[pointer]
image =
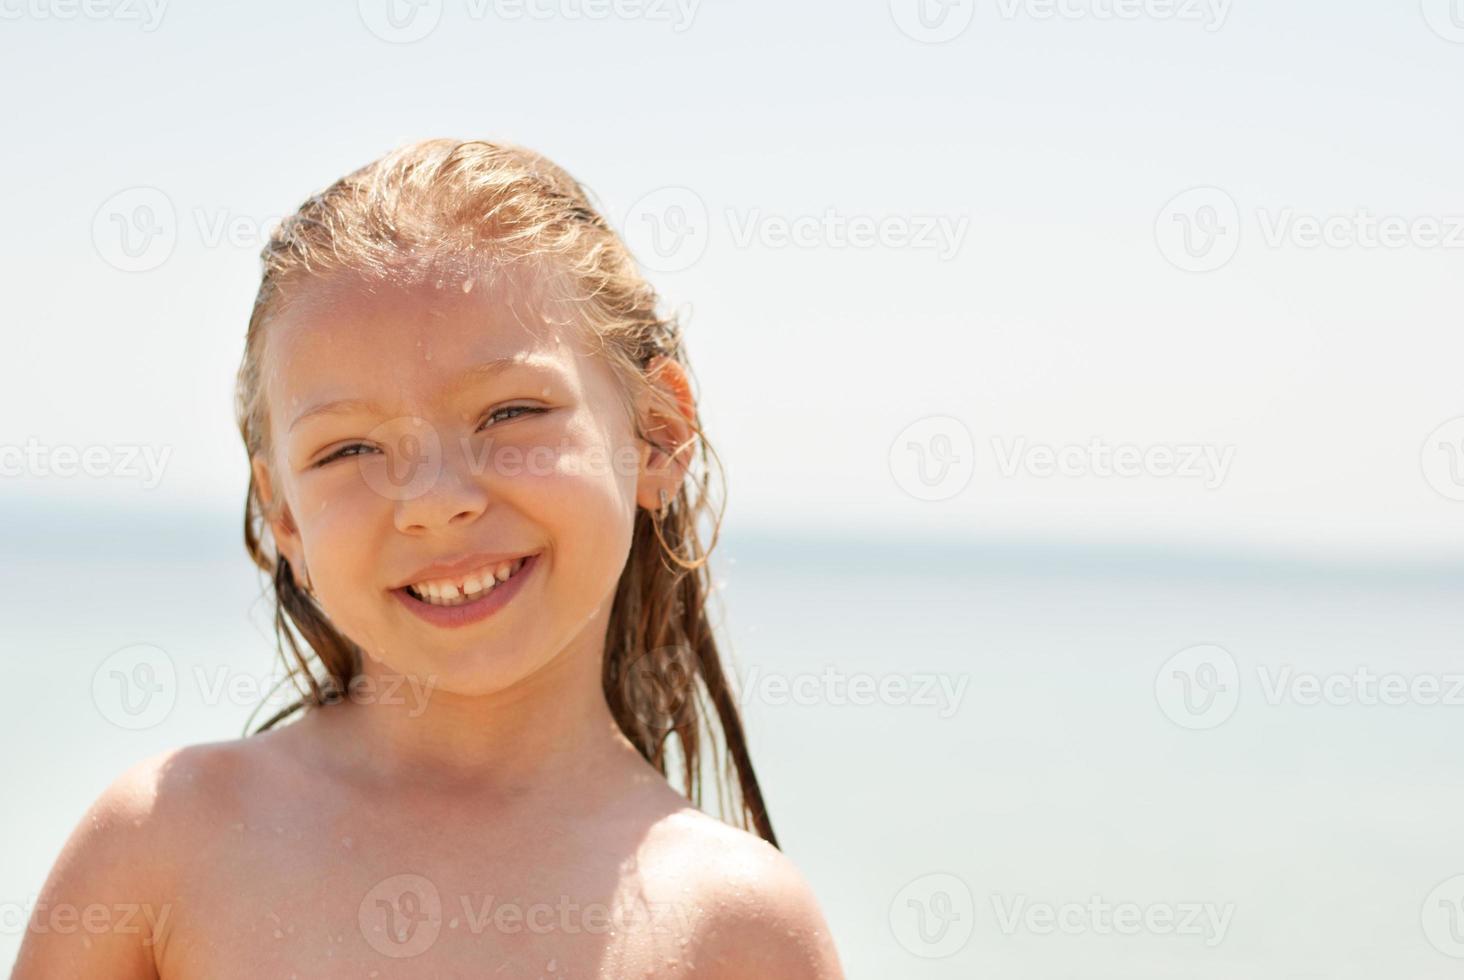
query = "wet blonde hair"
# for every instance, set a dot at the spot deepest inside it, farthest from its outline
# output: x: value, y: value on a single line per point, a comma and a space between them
x: 477, y: 205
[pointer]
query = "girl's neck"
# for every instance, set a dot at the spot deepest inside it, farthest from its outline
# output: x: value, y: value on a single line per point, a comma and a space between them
x: 551, y: 734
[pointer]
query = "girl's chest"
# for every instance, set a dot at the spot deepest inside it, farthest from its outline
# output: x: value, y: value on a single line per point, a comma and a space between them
x: 325, y: 898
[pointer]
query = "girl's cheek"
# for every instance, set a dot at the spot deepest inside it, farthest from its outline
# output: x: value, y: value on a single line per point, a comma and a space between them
x: 335, y: 520
x: 578, y: 472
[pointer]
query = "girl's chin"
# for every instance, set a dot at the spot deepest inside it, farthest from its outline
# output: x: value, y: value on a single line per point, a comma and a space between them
x: 466, y: 673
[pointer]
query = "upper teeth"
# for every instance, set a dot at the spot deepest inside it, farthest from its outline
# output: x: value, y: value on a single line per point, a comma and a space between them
x: 468, y: 585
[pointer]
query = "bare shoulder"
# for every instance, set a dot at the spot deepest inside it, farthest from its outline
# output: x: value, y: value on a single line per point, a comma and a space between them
x: 105, y: 906
x: 151, y: 816
x: 756, y: 915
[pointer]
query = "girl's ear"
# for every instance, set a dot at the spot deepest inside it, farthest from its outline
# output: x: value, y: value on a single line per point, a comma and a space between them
x: 667, y: 411
x: 277, y: 513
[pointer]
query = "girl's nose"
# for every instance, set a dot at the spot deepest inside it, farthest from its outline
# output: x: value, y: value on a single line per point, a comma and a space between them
x: 452, y: 494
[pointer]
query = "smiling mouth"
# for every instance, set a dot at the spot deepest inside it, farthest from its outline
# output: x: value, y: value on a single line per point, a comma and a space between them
x: 467, y: 589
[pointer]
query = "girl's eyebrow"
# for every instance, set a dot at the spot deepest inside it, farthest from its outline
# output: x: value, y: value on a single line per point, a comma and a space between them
x: 471, y: 376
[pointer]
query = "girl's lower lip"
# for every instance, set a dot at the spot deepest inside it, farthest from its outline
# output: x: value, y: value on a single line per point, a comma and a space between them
x: 470, y: 612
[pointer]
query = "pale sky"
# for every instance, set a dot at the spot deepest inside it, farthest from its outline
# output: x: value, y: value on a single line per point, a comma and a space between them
x: 1021, y: 276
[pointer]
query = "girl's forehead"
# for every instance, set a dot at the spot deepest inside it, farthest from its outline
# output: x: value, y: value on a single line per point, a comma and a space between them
x: 464, y: 309
x: 397, y: 331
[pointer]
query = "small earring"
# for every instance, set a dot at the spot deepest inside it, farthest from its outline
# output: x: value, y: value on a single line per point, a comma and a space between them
x: 664, y: 505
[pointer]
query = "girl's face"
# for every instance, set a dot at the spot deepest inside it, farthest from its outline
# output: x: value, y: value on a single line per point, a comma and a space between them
x: 417, y: 425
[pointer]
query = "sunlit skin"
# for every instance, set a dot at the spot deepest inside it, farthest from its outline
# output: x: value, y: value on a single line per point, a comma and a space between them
x: 497, y: 778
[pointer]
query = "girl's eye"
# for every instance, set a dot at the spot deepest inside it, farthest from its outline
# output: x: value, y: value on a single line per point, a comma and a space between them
x: 513, y: 408
x: 345, y: 451
x: 342, y: 452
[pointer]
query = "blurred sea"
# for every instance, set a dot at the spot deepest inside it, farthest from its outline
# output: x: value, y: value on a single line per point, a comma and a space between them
x: 991, y: 759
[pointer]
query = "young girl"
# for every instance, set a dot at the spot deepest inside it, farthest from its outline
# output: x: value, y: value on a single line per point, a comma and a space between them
x: 473, y: 443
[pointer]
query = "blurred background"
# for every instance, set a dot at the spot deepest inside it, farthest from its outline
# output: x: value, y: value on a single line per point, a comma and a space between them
x: 1086, y: 373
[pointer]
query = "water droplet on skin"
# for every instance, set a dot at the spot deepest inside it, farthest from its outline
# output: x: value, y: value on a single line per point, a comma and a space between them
x: 467, y: 285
